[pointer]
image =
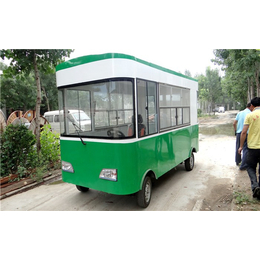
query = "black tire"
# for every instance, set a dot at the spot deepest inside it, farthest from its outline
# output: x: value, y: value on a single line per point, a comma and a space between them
x: 189, y: 163
x: 144, y: 195
x: 82, y: 189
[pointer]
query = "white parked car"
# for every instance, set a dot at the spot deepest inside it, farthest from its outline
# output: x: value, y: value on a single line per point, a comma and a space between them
x: 78, y: 117
x: 221, y: 109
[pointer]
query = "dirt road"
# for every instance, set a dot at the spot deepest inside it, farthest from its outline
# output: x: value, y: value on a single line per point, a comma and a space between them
x: 209, y: 186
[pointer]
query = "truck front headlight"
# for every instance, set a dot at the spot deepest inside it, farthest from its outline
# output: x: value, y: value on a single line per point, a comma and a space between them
x: 67, y: 167
x: 108, y: 174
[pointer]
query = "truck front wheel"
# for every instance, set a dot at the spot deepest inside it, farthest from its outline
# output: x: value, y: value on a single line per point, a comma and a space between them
x: 82, y: 189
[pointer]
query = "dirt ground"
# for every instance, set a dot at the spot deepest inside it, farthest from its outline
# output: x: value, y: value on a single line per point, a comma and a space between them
x: 225, y: 194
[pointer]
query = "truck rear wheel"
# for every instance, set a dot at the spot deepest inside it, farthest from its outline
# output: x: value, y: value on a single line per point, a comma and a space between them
x: 145, y: 194
x: 189, y: 163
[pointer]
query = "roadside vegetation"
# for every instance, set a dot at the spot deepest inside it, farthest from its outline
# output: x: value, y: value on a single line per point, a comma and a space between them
x: 34, y: 63
x: 239, y: 84
x: 245, y: 202
x: 19, y: 157
x: 29, y: 83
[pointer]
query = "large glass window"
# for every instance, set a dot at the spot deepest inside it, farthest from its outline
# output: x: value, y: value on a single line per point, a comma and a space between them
x: 174, y: 103
x: 102, y: 109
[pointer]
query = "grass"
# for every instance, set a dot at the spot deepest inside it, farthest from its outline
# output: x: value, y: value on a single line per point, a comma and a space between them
x: 57, y: 182
x: 244, y: 202
x: 208, y: 116
x: 242, y: 198
x: 224, y: 129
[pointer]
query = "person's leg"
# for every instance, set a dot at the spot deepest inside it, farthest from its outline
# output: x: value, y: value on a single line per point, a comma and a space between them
x: 258, y: 160
x: 251, y: 168
x: 243, y: 165
x: 237, y: 155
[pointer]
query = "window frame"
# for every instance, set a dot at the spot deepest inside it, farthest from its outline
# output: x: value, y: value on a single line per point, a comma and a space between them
x: 179, y: 108
x: 146, y: 119
x: 70, y: 87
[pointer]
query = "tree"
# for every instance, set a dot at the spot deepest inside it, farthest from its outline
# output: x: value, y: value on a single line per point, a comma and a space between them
x: 234, y: 86
x: 18, y: 93
x: 187, y: 73
x: 50, y: 92
x: 242, y: 68
x: 210, y: 87
x: 28, y: 60
x: 3, y: 66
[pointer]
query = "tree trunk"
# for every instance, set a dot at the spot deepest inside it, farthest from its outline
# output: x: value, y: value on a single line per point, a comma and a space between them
x: 38, y: 104
x: 213, y: 107
x: 248, y: 90
x: 252, y: 90
x: 47, y: 100
x: 257, y: 72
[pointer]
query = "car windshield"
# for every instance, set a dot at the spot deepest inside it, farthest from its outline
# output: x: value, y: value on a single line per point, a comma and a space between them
x: 106, y: 109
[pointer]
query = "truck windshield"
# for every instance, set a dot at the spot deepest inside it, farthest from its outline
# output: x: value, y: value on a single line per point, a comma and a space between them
x: 104, y: 109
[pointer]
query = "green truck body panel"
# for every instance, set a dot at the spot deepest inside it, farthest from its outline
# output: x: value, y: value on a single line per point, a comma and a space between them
x: 159, y: 154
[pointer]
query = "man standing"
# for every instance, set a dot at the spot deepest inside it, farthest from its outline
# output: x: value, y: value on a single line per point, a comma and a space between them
x: 252, y: 125
x: 238, y: 126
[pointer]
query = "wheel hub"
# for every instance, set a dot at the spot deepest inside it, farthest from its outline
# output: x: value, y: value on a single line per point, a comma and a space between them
x: 147, y: 192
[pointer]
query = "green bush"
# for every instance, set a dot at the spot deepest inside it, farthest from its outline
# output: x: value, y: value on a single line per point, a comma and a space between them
x: 19, y: 154
x: 17, y: 150
x: 50, y: 145
x: 199, y: 111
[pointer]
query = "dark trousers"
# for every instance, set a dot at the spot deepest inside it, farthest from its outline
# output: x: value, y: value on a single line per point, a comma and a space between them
x: 253, y: 158
x: 238, y: 157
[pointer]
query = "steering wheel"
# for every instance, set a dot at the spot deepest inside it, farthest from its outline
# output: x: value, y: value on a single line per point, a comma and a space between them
x: 115, y: 133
